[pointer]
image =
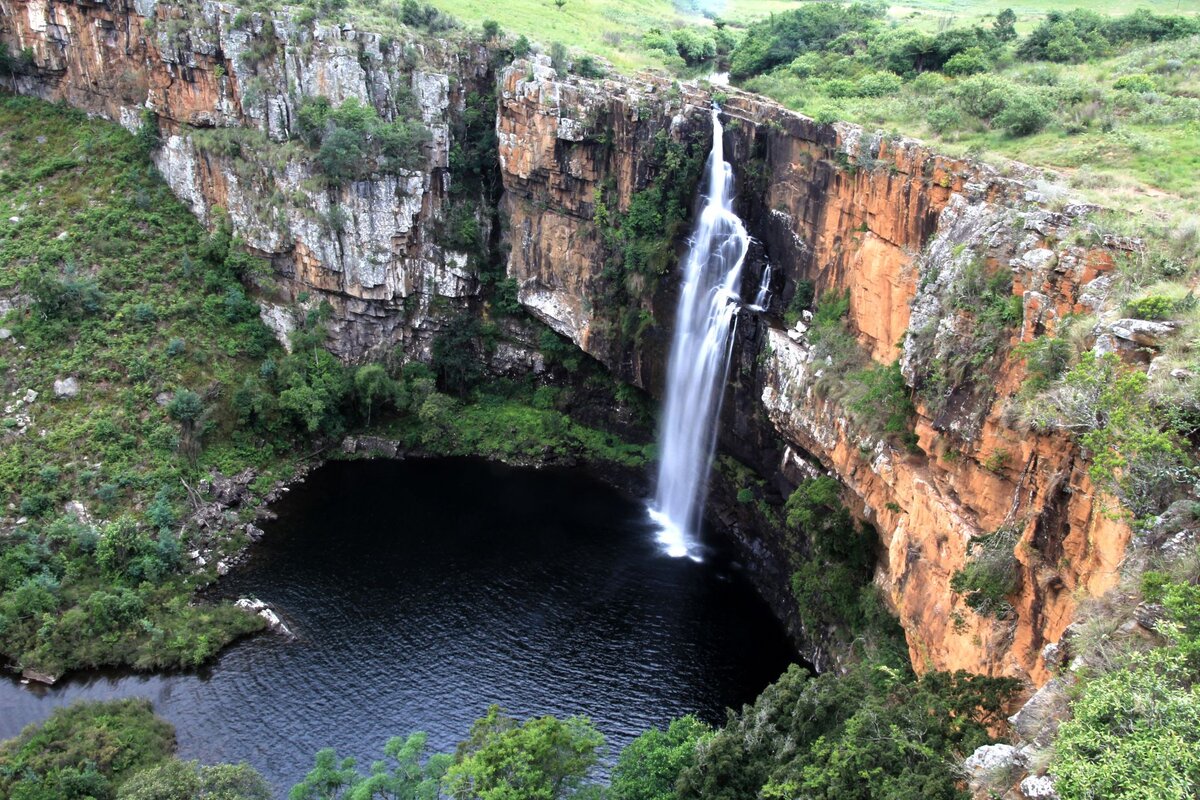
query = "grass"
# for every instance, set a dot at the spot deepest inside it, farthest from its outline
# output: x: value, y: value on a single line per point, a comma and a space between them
x: 612, y: 29
x: 1135, y: 153
x: 930, y: 14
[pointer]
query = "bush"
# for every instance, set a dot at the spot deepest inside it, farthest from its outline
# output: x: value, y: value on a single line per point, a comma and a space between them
x: 811, y: 28
x: 966, y: 63
x: 694, y: 47
x: 1132, y: 734
x: 991, y: 574
x: 1139, y: 84
x: 651, y: 764
x: 83, y: 751
x: 1153, y: 307
x: 1023, y: 114
x: 944, y: 118
x: 877, y: 84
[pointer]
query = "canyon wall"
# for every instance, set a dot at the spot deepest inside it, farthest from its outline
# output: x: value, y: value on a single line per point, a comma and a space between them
x: 896, y: 225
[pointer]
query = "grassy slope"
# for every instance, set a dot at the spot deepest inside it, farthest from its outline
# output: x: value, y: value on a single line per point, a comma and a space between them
x: 82, y: 211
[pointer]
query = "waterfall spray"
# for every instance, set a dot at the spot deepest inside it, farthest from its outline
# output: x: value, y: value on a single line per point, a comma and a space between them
x: 699, y: 360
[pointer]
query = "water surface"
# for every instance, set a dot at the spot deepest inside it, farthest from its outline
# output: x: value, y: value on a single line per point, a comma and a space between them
x: 422, y: 591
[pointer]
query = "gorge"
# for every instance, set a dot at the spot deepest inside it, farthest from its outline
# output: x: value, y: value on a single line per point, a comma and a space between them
x: 510, y: 220
x: 842, y: 209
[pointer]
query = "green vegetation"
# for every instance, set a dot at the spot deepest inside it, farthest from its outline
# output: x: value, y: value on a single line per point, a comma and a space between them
x: 1138, y: 448
x: 991, y: 573
x: 875, y: 396
x: 987, y: 311
x: 130, y: 298
x: 1131, y: 733
x: 177, y: 377
x: 83, y: 751
x: 650, y: 765
x: 1109, y: 98
x: 833, y: 561
x: 351, y: 141
x: 874, y: 732
x: 640, y: 244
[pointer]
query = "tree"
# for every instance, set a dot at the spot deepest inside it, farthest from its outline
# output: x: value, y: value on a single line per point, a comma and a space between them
x: 541, y: 759
x: 186, y: 408
x: 372, y: 385
x: 651, y: 764
x: 1005, y: 26
x: 559, y: 4
x: 329, y: 778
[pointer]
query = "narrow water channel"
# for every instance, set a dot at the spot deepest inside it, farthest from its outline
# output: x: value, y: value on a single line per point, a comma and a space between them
x: 422, y: 591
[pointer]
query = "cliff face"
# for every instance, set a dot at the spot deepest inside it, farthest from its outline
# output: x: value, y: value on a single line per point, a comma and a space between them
x: 897, y: 226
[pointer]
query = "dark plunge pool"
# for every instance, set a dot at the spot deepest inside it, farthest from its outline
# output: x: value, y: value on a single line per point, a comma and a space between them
x: 422, y: 591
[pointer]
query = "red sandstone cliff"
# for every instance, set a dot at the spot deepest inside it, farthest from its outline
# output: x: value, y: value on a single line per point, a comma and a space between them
x: 884, y: 218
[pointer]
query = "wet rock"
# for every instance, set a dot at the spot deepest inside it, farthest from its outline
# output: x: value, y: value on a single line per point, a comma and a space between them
x: 38, y: 676
x: 256, y: 606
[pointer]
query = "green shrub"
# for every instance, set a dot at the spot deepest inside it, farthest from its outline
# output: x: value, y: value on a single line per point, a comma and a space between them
x: 1023, y: 113
x: 877, y: 84
x: 1151, y: 307
x: 966, y: 63
x: 992, y: 573
x: 1138, y: 84
x: 83, y: 751
x: 944, y: 118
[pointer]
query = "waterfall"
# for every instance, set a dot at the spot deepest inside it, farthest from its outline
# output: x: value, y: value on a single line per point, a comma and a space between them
x: 699, y: 359
x: 764, y: 290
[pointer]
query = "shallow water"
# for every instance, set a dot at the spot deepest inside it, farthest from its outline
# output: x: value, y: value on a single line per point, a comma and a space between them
x: 422, y: 591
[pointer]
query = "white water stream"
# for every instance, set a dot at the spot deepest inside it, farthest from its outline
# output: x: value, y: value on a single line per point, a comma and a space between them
x: 699, y: 360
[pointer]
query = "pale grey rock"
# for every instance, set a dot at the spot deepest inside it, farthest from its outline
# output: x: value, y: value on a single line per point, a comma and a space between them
x: 66, y: 387
x: 1039, y: 787
x: 1142, y: 331
x: 1037, y: 721
x: 1105, y: 343
x: 5, y: 333
x: 256, y: 606
x: 280, y: 321
x: 993, y: 766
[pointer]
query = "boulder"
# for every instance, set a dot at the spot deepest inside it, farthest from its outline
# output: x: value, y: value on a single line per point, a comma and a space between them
x: 993, y: 768
x: 1038, y: 720
x: 1144, y: 332
x: 256, y: 606
x: 1039, y: 787
x: 66, y: 387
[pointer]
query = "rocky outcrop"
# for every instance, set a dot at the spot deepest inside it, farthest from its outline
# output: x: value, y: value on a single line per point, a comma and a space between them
x: 898, y: 227
x: 224, y: 88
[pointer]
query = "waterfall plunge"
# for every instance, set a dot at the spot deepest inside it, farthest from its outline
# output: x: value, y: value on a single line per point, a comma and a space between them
x: 699, y: 358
